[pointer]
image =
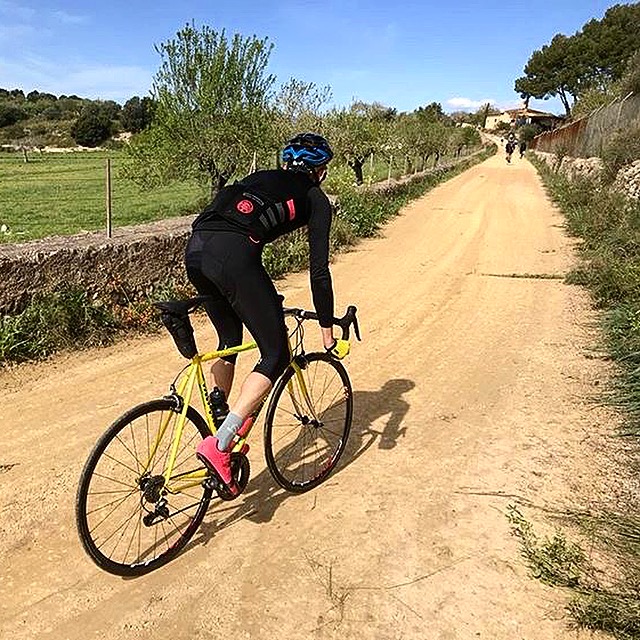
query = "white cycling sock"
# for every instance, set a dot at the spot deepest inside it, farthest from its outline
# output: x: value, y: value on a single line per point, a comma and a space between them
x: 228, y: 430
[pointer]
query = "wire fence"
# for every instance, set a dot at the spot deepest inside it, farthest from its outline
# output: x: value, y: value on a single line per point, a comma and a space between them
x: 588, y: 136
x: 45, y: 194
x: 67, y: 193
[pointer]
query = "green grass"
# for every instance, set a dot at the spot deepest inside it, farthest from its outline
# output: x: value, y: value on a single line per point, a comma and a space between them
x: 605, y: 582
x: 63, y: 194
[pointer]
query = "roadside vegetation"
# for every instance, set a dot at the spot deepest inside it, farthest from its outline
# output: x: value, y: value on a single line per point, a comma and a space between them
x: 596, y: 554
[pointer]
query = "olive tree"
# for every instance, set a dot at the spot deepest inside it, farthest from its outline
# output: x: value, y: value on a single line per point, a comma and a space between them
x: 211, y: 97
x: 298, y: 108
x: 359, y: 131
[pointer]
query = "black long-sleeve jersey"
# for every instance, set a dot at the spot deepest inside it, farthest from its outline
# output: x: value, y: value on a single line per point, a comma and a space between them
x: 268, y: 204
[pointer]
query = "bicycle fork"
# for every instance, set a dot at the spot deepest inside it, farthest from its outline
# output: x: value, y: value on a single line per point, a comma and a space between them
x: 299, y: 405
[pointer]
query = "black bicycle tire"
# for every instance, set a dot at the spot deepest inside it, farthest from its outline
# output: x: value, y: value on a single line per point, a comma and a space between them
x: 104, y: 562
x: 279, y: 477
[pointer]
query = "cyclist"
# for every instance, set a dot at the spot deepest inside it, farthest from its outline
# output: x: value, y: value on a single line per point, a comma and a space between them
x: 509, y: 149
x: 522, y: 148
x: 224, y: 260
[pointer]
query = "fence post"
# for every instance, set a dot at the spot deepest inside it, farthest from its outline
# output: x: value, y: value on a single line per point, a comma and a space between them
x: 108, y: 196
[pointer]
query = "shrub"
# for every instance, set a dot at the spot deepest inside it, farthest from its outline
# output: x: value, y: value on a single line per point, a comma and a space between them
x: 10, y: 115
x: 92, y: 128
x: 53, y: 322
x: 621, y: 150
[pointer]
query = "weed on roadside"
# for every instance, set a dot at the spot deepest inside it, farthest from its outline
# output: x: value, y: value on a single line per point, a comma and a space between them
x: 605, y: 582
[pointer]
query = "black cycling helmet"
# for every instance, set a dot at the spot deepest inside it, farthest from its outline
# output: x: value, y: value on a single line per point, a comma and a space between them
x: 306, y: 152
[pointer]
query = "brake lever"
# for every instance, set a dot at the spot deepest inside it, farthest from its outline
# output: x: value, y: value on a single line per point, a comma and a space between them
x: 349, y: 319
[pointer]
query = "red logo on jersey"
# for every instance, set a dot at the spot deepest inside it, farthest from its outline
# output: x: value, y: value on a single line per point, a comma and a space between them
x: 245, y: 206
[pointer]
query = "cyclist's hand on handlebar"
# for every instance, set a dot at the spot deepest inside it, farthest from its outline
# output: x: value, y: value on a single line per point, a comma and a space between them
x: 339, y: 349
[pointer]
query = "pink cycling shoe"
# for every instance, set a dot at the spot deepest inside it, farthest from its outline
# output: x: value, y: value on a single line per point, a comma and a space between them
x: 218, y: 461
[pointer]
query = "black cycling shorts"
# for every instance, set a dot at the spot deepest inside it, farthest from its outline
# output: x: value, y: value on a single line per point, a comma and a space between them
x: 228, y: 267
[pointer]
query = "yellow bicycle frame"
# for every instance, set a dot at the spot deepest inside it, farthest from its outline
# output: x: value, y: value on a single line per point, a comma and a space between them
x: 193, y: 374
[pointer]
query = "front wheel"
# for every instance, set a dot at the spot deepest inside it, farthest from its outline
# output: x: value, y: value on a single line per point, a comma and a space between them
x: 130, y: 520
x: 308, y: 421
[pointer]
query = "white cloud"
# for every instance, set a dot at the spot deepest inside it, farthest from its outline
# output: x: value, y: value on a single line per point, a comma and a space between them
x: 68, y: 18
x: 464, y: 104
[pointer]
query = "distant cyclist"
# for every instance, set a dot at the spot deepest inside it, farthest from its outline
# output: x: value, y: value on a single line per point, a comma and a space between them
x: 509, y: 149
x: 224, y: 260
x: 523, y: 148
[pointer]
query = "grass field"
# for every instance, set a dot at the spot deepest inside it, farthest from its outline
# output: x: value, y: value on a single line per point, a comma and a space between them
x: 65, y: 193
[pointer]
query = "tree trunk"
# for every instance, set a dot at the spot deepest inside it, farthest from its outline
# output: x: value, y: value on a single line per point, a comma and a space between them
x: 565, y: 102
x: 356, y: 165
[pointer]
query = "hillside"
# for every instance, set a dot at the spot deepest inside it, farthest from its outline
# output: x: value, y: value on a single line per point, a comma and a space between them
x: 37, y: 120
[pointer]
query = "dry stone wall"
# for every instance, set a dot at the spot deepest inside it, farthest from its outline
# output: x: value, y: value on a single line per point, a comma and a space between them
x: 627, y: 180
x: 132, y: 262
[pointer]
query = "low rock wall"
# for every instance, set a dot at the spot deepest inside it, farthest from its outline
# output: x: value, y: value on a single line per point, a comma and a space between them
x: 627, y: 180
x: 132, y: 262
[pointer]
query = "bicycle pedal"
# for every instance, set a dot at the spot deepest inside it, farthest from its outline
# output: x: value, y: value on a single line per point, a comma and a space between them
x: 211, y: 484
x: 215, y: 482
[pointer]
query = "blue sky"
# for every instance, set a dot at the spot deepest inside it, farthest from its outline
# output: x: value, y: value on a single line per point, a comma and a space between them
x: 402, y: 53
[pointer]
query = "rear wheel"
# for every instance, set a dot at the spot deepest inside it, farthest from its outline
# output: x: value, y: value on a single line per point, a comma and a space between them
x: 306, y: 433
x: 128, y: 520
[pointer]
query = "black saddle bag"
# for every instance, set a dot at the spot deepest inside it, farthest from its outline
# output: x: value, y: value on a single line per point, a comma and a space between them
x: 179, y: 326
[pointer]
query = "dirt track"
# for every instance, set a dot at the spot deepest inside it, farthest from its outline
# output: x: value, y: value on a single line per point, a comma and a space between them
x: 472, y: 388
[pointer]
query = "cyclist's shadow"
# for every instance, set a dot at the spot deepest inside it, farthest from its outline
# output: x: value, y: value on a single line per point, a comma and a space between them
x: 263, y: 495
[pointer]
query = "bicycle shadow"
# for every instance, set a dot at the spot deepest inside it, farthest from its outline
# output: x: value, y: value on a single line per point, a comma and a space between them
x: 263, y: 495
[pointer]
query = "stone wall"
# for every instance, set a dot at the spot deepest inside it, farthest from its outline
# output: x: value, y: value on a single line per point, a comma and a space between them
x: 131, y: 262
x: 627, y: 180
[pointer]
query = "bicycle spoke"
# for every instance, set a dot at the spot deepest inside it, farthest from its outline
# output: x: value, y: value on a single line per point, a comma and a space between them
x: 129, y: 520
x: 108, y: 504
x: 122, y: 464
x: 135, y: 451
x: 117, y: 528
x: 133, y: 537
x: 306, y: 430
